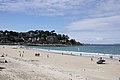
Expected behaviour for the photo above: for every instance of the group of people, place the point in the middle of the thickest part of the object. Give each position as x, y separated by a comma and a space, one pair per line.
37, 54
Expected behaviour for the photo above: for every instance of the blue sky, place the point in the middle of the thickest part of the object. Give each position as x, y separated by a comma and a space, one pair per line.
87, 21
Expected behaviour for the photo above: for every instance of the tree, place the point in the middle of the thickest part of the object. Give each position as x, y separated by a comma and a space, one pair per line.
36, 37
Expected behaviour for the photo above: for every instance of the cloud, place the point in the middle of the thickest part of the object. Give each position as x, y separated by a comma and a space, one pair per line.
109, 7
62, 7
41, 7
106, 37
99, 23
96, 24
96, 30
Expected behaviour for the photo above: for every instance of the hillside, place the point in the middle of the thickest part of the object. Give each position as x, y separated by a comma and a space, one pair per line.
37, 37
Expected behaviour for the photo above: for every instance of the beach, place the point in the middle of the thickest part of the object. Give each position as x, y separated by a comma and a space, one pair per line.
23, 64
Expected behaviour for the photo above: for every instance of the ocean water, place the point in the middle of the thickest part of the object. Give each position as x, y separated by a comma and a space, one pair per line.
85, 50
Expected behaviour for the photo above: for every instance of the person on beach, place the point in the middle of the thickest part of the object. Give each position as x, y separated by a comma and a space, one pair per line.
80, 54
100, 58
111, 57
6, 61
91, 59
3, 55
48, 56
20, 55
38, 54
3, 47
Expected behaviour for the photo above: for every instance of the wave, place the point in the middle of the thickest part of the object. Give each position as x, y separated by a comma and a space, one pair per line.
74, 53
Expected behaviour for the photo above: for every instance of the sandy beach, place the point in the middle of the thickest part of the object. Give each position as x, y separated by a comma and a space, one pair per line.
22, 64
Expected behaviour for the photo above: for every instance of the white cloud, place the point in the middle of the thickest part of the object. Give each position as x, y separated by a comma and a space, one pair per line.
96, 24
109, 6
62, 7
99, 38
96, 30
40, 7
95, 37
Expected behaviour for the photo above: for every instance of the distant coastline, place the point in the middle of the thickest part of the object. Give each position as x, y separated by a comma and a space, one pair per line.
28, 44
48, 45
101, 44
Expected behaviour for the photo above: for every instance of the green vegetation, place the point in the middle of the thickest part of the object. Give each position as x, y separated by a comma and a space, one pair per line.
37, 37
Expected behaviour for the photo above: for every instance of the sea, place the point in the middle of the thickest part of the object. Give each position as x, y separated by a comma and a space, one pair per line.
107, 51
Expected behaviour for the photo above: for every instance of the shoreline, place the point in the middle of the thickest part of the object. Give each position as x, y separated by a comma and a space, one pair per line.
89, 54
46, 45
54, 67
73, 53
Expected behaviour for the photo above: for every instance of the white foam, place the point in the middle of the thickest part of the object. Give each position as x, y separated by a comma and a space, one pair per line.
80, 53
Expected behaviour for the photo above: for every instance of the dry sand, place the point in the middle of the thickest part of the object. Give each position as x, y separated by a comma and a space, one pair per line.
54, 67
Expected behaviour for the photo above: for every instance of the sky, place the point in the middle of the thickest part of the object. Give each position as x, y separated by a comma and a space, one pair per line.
86, 21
